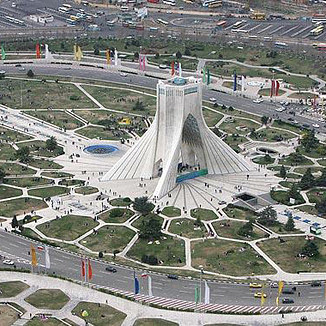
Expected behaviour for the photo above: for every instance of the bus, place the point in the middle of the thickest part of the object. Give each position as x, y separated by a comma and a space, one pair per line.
212, 3
239, 30
153, 29
258, 16
169, 2
15, 20
317, 31
71, 22
315, 230
321, 47
64, 10
318, 20
66, 6
238, 24
221, 24
161, 21
280, 45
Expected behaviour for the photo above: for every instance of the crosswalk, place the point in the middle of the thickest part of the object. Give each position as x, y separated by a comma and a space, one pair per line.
182, 305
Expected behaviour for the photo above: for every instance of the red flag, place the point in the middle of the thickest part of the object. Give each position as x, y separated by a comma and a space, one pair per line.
272, 88
90, 271
38, 51
172, 71
277, 87
83, 269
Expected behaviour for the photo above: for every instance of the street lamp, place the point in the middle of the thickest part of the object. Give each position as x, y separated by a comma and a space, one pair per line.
201, 274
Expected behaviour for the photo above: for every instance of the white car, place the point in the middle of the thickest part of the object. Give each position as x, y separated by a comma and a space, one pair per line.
123, 74
162, 66
8, 262
258, 100
212, 99
316, 125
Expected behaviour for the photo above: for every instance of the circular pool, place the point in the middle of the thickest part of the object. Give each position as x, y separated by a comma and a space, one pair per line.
100, 149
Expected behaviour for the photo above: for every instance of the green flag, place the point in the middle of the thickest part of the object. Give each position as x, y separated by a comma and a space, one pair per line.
197, 294
204, 75
208, 77
3, 53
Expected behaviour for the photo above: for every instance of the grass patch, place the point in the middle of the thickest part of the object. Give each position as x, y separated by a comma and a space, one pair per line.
57, 174
283, 198
109, 238
290, 161
116, 215
38, 148
45, 164
229, 229
59, 118
239, 213
68, 227
8, 315
49, 191
42, 95
10, 135
287, 126
126, 201
71, 182
285, 254
286, 184
154, 322
16, 169
37, 321
187, 228
203, 214
102, 133
211, 118
318, 152
171, 211
87, 190
315, 194
238, 126
8, 192
308, 209
314, 169
7, 152
100, 314
263, 160
267, 91
234, 141
271, 135
11, 289
304, 96
170, 251
140, 220
19, 206
48, 299
228, 257
279, 228
290, 175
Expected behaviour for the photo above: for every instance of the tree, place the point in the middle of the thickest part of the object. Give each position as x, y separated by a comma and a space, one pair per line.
23, 154
309, 140
268, 216
96, 51
139, 106
321, 181
150, 229
2, 173
310, 249
289, 225
283, 172
51, 143
14, 222
307, 181
178, 55
187, 52
142, 205
321, 205
30, 73
294, 192
136, 55
115, 252
264, 120
246, 230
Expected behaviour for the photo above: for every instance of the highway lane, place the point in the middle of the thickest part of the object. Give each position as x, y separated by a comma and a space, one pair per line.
69, 265
238, 102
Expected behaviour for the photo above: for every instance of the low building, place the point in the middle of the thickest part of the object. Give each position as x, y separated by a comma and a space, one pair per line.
42, 19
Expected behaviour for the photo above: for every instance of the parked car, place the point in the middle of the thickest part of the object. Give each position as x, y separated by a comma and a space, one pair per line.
173, 277
8, 262
287, 301
315, 283
255, 285
111, 269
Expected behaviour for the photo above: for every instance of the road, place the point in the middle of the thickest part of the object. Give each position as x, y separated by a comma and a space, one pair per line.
241, 103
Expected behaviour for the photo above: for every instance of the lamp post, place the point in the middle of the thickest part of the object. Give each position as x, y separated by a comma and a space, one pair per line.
201, 274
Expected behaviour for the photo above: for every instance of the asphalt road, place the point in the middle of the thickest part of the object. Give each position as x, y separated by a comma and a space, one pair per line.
241, 103
69, 265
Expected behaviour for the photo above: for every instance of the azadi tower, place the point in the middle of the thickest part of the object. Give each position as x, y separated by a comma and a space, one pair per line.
178, 145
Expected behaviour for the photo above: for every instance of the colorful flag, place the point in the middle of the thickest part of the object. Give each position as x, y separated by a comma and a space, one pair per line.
277, 87
172, 69
47, 258
207, 293
34, 259
204, 75
150, 290
208, 77
277, 301
90, 270
179, 69
83, 268
136, 285
79, 53
38, 51
262, 299
3, 52
108, 57
272, 91
197, 294
280, 287
242, 83
115, 57
75, 51
234, 82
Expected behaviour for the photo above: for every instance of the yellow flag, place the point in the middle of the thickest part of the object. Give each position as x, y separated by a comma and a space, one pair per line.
79, 53
75, 52
280, 287
262, 299
33, 253
108, 57
277, 300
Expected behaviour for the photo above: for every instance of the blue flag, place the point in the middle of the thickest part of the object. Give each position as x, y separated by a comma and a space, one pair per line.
136, 285
235, 82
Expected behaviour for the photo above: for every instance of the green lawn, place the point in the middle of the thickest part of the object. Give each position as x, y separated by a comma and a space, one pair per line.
318, 152
8, 192
100, 314
8, 315
11, 289
228, 257
36, 321
238, 126
171, 211
203, 213
68, 227
279, 228
116, 215
48, 299
263, 160
153, 322
57, 174
126, 201
186, 228
45, 164
171, 251
316, 194
285, 254
271, 135
288, 160
109, 238
239, 213
211, 118
7, 152
314, 169
287, 126
39, 95
12, 135
49, 191
266, 92
59, 118
102, 133
283, 197
140, 220
18, 206
308, 209
229, 229
38, 148
234, 141
16, 169
71, 182
122, 99
88, 190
